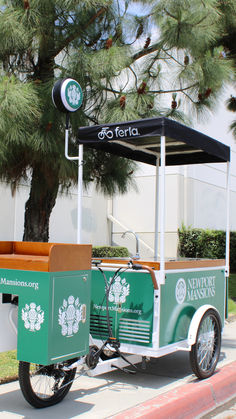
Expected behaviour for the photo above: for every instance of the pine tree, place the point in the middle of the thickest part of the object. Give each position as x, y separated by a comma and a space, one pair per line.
228, 40
129, 66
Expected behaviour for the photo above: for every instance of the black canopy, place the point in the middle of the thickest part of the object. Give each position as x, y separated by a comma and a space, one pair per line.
140, 140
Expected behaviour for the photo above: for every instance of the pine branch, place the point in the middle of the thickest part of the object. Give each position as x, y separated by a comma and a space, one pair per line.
75, 35
182, 89
189, 98
107, 89
170, 15
144, 52
135, 76
173, 58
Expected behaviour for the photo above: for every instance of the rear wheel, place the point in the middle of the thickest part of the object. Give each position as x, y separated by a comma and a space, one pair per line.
44, 386
205, 352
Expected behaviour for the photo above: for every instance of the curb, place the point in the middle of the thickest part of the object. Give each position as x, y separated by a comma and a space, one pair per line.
189, 400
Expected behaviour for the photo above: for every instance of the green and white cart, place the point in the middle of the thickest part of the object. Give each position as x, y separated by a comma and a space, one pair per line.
121, 311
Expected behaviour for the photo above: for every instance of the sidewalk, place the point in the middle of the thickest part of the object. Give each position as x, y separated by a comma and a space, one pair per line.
167, 388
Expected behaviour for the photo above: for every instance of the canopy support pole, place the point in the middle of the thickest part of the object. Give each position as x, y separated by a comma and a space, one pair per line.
80, 194
227, 245
156, 210
162, 208
80, 178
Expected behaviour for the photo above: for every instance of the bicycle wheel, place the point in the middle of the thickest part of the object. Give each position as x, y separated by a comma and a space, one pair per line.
44, 386
205, 352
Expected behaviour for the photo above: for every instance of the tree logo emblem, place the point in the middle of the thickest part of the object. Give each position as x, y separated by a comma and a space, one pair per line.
32, 316
71, 313
118, 291
180, 291
73, 95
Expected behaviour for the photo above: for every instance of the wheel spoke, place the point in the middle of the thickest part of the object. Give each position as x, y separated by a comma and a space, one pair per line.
44, 386
205, 352
206, 343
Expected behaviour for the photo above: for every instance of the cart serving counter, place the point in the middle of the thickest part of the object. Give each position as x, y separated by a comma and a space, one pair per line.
138, 309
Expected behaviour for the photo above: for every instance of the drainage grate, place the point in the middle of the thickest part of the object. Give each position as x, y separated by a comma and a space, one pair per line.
135, 330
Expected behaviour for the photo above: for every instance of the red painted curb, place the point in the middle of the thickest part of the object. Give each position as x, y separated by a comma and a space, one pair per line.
189, 400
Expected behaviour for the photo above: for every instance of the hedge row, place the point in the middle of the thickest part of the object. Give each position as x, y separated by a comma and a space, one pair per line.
199, 243
110, 251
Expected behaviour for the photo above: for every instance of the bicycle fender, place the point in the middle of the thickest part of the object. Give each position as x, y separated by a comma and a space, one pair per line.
193, 327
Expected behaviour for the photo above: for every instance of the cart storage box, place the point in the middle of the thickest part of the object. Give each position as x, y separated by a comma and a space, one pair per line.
52, 282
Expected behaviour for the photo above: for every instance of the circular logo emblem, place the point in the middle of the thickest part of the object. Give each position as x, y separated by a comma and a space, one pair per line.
71, 95
180, 291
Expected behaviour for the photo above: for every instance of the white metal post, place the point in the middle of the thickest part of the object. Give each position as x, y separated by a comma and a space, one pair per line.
162, 207
227, 246
80, 194
156, 210
80, 179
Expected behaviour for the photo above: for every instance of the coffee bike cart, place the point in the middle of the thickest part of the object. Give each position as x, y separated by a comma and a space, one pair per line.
72, 317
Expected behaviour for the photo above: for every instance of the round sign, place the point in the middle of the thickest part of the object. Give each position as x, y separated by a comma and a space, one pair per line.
180, 291
67, 95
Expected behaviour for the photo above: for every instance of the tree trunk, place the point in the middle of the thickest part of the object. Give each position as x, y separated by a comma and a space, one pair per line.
38, 208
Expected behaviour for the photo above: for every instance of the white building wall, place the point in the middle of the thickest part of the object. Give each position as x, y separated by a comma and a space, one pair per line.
63, 222
195, 197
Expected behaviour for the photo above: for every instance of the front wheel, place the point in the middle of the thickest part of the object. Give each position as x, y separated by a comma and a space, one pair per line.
44, 386
205, 352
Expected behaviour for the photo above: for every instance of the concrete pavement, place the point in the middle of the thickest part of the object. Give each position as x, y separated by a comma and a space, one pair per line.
167, 383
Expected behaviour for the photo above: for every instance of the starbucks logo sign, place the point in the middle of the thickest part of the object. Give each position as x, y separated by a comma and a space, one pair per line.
180, 291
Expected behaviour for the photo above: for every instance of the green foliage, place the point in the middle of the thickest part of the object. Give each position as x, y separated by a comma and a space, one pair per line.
128, 64
227, 39
231, 106
233, 128
231, 307
8, 366
110, 251
232, 286
186, 24
111, 174
207, 244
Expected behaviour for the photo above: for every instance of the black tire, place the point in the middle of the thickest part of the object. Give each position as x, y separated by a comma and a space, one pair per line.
44, 386
205, 352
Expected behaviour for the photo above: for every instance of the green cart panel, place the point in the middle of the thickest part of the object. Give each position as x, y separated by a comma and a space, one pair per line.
182, 294
130, 307
53, 315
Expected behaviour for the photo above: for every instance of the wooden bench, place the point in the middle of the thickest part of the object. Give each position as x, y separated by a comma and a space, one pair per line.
45, 257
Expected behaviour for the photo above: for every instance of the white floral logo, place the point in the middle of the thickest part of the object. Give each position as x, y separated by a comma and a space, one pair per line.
73, 93
118, 291
32, 316
71, 313
180, 291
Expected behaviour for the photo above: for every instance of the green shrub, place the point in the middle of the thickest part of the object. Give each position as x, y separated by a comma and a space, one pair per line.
199, 243
110, 252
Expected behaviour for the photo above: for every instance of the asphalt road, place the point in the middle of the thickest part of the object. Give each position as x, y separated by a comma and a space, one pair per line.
226, 411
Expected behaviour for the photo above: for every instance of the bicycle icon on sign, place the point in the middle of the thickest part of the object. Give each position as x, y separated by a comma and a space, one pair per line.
105, 133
